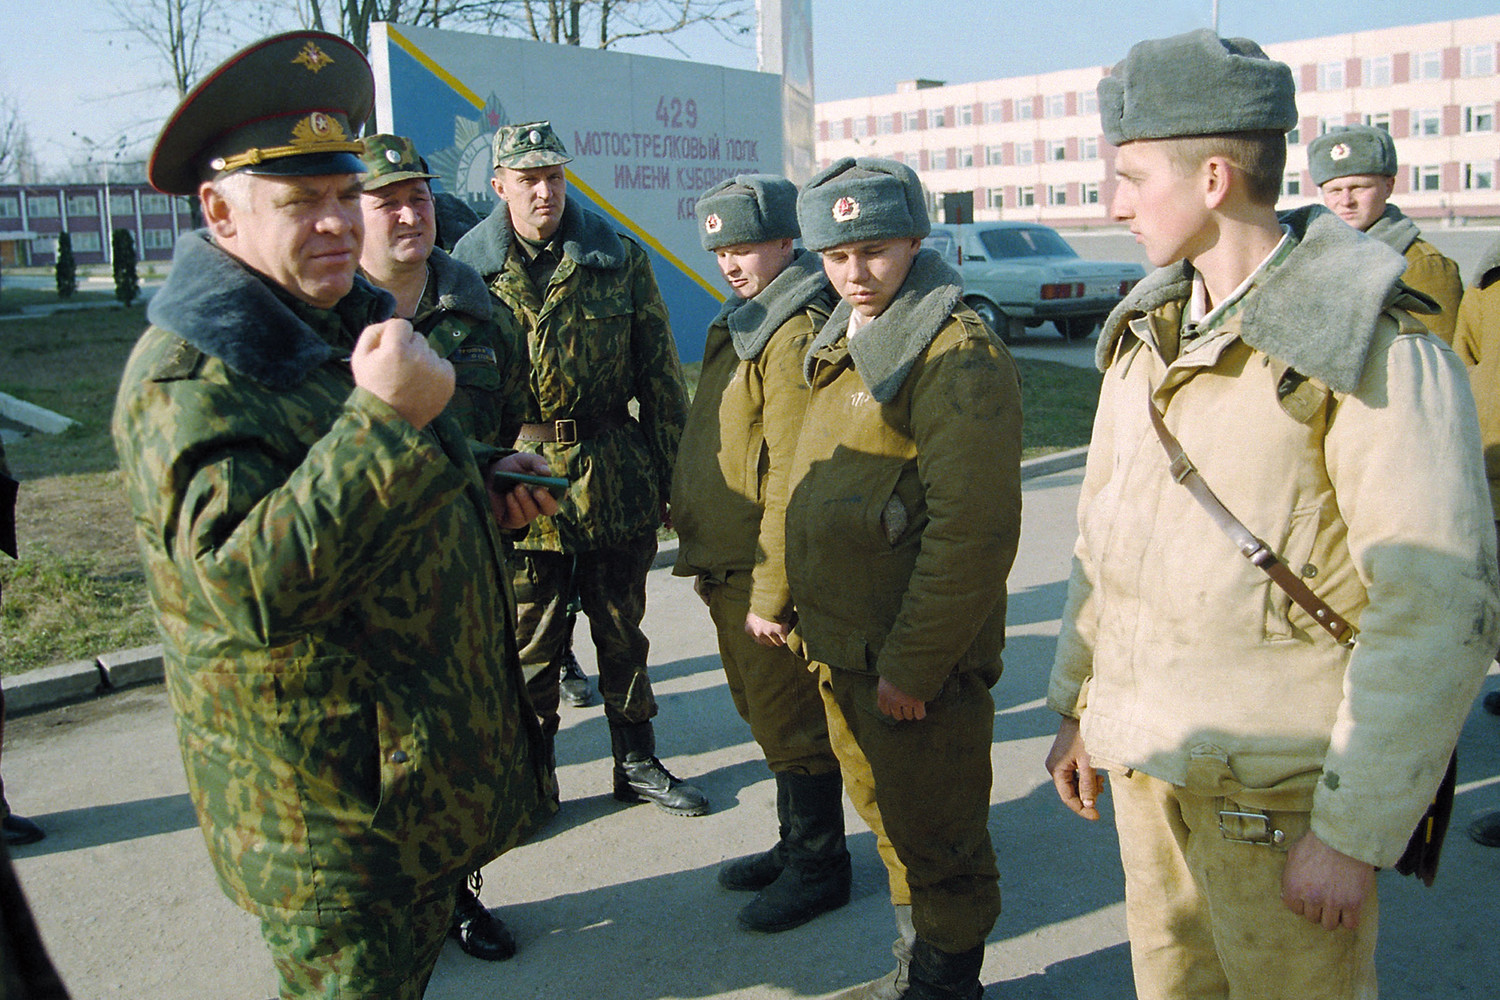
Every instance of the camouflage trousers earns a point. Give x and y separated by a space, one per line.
384 951
931 780
773 688
611 586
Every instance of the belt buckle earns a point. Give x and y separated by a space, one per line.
565 431
1242 822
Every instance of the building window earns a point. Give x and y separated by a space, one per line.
156 204
1025 110
1380 119
1479 176
914 160
82 204
1025 154
44 244
1088 147
1328 123
156 239
938 159
86 242
1057 194
966 157
1378 71
10 208
1479 118
1057 149
1294 135
996 198
1291 184
1088 102
994 156
992 111
1026 197
861 127
913 121
42 207
1479 60
121 204
1088 194
885 124
1426 122
966 114
937 118
1057 105
1331 75
1429 65
1426 179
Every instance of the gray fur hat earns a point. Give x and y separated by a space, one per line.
863 199
1351 149
750 208
1195 84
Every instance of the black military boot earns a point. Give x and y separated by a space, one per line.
478 931
942 975
639 776
894 984
756 871
573 687
817 874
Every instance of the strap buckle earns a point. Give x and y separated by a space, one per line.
1241 827
565 431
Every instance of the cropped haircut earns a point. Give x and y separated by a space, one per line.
1260 157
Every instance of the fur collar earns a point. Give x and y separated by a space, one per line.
1394 229
887 346
1488 263
588 240
460 289
751 322
1316 311
226 310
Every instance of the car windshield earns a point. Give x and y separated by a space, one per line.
1026 242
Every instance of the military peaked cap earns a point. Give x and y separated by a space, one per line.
290 105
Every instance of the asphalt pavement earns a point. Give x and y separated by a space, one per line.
619 902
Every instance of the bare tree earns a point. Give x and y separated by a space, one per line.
13 142
182 32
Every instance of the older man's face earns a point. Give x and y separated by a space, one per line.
400 225
304 233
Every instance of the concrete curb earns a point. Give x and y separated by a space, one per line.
63 684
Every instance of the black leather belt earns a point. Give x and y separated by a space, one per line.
567 430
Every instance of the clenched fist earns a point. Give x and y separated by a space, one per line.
394 362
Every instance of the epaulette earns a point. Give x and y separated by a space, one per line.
180 362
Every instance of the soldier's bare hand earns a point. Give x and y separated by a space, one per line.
1324 885
1073 774
896 703
765 631
520 505
395 363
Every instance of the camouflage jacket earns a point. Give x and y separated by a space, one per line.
597 338
327 582
482 340
741 434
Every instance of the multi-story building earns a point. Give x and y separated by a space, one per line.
32 215
1030 147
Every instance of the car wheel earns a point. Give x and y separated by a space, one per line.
1078 327
996 320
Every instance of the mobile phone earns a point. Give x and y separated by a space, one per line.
506 481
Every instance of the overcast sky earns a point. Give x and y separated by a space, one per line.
74 78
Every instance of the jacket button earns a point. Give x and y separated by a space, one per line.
399 757
1309 571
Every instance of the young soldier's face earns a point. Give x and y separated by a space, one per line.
400 225
750 267
869 274
303 233
1358 199
534 197
1165 208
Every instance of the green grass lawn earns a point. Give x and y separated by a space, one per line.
77 590
12 298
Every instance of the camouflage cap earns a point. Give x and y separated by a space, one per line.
391 158
532 144
289 105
